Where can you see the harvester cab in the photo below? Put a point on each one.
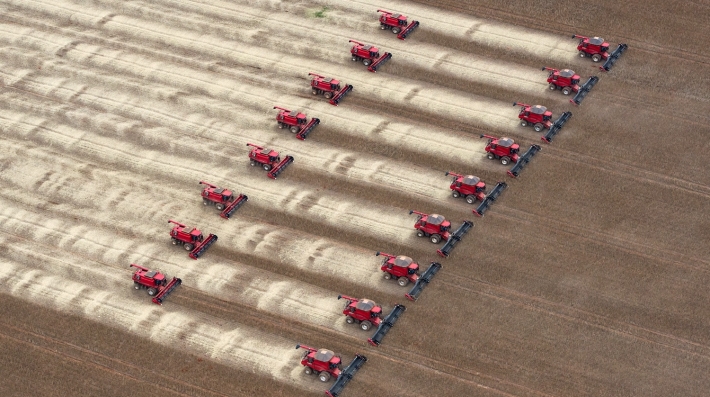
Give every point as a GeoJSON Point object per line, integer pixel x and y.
{"type": "Point", "coordinates": [296, 122]}
{"type": "Point", "coordinates": [191, 239]}
{"type": "Point", "coordinates": [397, 23]}
{"type": "Point", "coordinates": [154, 282]}
{"type": "Point", "coordinates": [537, 116]}
{"type": "Point", "coordinates": [268, 159]}
{"type": "Point", "coordinates": [401, 268]}
{"type": "Point", "coordinates": [470, 187]}
{"type": "Point", "coordinates": [594, 47]}
{"type": "Point", "coordinates": [433, 226]}
{"type": "Point", "coordinates": [368, 55]}
{"type": "Point", "coordinates": [329, 88]}
{"type": "Point", "coordinates": [565, 80]}
{"type": "Point", "coordinates": [362, 311]}
{"type": "Point", "coordinates": [222, 199]}
{"type": "Point", "coordinates": [504, 149]}
{"type": "Point", "coordinates": [322, 362]}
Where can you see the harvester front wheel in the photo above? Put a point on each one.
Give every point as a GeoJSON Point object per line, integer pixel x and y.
{"type": "Point", "coordinates": [152, 291]}
{"type": "Point", "coordinates": [281, 125]}
{"type": "Point", "coordinates": [267, 167]}
{"type": "Point", "coordinates": [328, 94]}
{"type": "Point", "coordinates": [470, 199]}
{"type": "Point", "coordinates": [566, 90]}
{"type": "Point", "coordinates": [435, 238]}
{"type": "Point", "coordinates": [188, 246]}
{"type": "Point", "coordinates": [396, 30]}
{"type": "Point", "coordinates": [349, 320]}
{"type": "Point", "coordinates": [596, 57]}
{"type": "Point", "coordinates": [402, 281]}
{"type": "Point", "coordinates": [308, 371]}
{"type": "Point", "coordinates": [582, 54]}
{"type": "Point", "coordinates": [354, 58]}
{"type": "Point", "coordinates": [294, 129]}
{"type": "Point", "coordinates": [324, 376]}
{"type": "Point", "coordinates": [205, 202]}
{"type": "Point", "coordinates": [524, 123]}
{"type": "Point", "coordinates": [173, 240]}
{"type": "Point", "coordinates": [387, 276]}
{"type": "Point", "coordinates": [552, 87]}
{"type": "Point", "coordinates": [315, 92]}
{"type": "Point", "coordinates": [490, 156]}
{"type": "Point", "coordinates": [219, 206]}
{"type": "Point", "coordinates": [136, 285]}
{"type": "Point", "coordinates": [455, 194]}
{"type": "Point", "coordinates": [420, 233]}
{"type": "Point", "coordinates": [537, 127]}
{"type": "Point", "coordinates": [252, 163]}
{"type": "Point", "coordinates": [366, 62]}
{"type": "Point", "coordinates": [365, 325]}
{"type": "Point", "coordinates": [505, 160]}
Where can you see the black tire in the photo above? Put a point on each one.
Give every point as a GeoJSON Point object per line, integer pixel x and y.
{"type": "Point", "coordinates": [456, 194]}
{"type": "Point", "coordinates": [308, 371]}
{"type": "Point", "coordinates": [596, 57]}
{"type": "Point", "coordinates": [396, 30]}
{"type": "Point", "coordinates": [566, 90]}
{"type": "Point", "coordinates": [324, 376]}
{"type": "Point", "coordinates": [294, 129]}
{"type": "Point", "coordinates": [383, 26]}
{"type": "Point", "coordinates": [281, 125]}
{"type": "Point", "coordinates": [365, 325]}
{"type": "Point", "coordinates": [420, 233]}
{"type": "Point", "coordinates": [435, 238]}
{"type": "Point", "coordinates": [538, 127]}
{"type": "Point", "coordinates": [387, 276]}
{"type": "Point", "coordinates": [219, 206]}
{"type": "Point", "coordinates": [174, 240]}
{"type": "Point", "coordinates": [314, 92]}
{"type": "Point", "coordinates": [328, 94]}
{"type": "Point", "coordinates": [188, 246]}
{"type": "Point", "coordinates": [205, 202]}
{"type": "Point", "coordinates": [366, 62]}
{"type": "Point", "coordinates": [266, 167]}
{"type": "Point", "coordinates": [523, 123]}
{"type": "Point", "coordinates": [470, 199]}
{"type": "Point", "coordinates": [252, 163]}
{"type": "Point", "coordinates": [582, 54]}
{"type": "Point", "coordinates": [402, 281]}
{"type": "Point", "coordinates": [491, 156]}
{"type": "Point", "coordinates": [354, 58]}
{"type": "Point", "coordinates": [552, 87]}
{"type": "Point", "coordinates": [505, 160]}
{"type": "Point", "coordinates": [349, 320]}
{"type": "Point", "coordinates": [137, 285]}
{"type": "Point", "coordinates": [152, 291]}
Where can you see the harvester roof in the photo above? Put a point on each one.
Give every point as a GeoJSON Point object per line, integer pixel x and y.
{"type": "Point", "coordinates": [151, 274]}
{"type": "Point", "coordinates": [538, 109]}
{"type": "Point", "coordinates": [294, 113]}
{"type": "Point", "coordinates": [324, 355]}
{"type": "Point", "coordinates": [365, 305]}
{"type": "Point", "coordinates": [471, 180]}
{"type": "Point", "coordinates": [596, 41]}
{"type": "Point", "coordinates": [567, 73]}
{"type": "Point", "coordinates": [505, 142]}
{"type": "Point", "coordinates": [218, 190]}
{"type": "Point", "coordinates": [435, 219]}
{"type": "Point", "coordinates": [402, 261]}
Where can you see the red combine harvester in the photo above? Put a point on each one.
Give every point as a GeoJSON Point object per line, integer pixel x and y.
{"type": "Point", "coordinates": [368, 55]}
{"type": "Point", "coordinates": [537, 116]}
{"type": "Point", "coordinates": [155, 282]}
{"type": "Point", "coordinates": [329, 88]}
{"type": "Point", "coordinates": [397, 24]}
{"type": "Point", "coordinates": [470, 187]}
{"type": "Point", "coordinates": [191, 239]}
{"type": "Point", "coordinates": [436, 228]}
{"type": "Point", "coordinates": [404, 270]}
{"type": "Point", "coordinates": [597, 49]}
{"type": "Point", "coordinates": [270, 160]}
{"type": "Point", "coordinates": [567, 81]}
{"type": "Point", "coordinates": [490, 198]}
{"type": "Point", "coordinates": [366, 313]}
{"type": "Point", "coordinates": [506, 150]}
{"type": "Point", "coordinates": [327, 364]}
{"type": "Point", "coordinates": [222, 199]}
{"type": "Point", "coordinates": [296, 122]}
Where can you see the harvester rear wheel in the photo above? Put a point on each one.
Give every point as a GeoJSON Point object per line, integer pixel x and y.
{"type": "Point", "coordinates": [420, 233]}
{"type": "Point", "coordinates": [328, 94]}
{"type": "Point", "coordinates": [435, 238]}
{"type": "Point", "coordinates": [505, 160]}
{"type": "Point", "coordinates": [365, 325]}
{"type": "Point", "coordinates": [455, 194]}
{"type": "Point", "coordinates": [553, 87]}
{"type": "Point", "coordinates": [188, 246]}
{"type": "Point", "coordinates": [524, 123]}
{"type": "Point", "coordinates": [402, 281]}
{"type": "Point", "coordinates": [294, 129]}
{"type": "Point", "coordinates": [324, 376]}
{"type": "Point", "coordinates": [266, 167]}
{"type": "Point", "coordinates": [387, 276]}
{"type": "Point", "coordinates": [566, 90]}
{"type": "Point", "coordinates": [582, 54]}
{"type": "Point", "coordinates": [308, 371]}
{"type": "Point", "coordinates": [596, 57]}
{"type": "Point", "coordinates": [396, 30]}
{"type": "Point", "coordinates": [470, 199]}
{"type": "Point", "coordinates": [349, 320]}
{"type": "Point", "coordinates": [219, 206]}
{"type": "Point", "coordinates": [366, 62]}
{"type": "Point", "coordinates": [538, 127]}
{"type": "Point", "coordinates": [152, 291]}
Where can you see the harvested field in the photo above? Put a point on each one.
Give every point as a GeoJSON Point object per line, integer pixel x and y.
{"type": "Point", "coordinates": [587, 277]}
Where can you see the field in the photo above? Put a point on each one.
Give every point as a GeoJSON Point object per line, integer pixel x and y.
{"type": "Point", "coordinates": [587, 277]}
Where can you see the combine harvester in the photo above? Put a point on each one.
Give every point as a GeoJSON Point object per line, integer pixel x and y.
{"type": "Point", "coordinates": [597, 49]}
{"type": "Point", "coordinates": [329, 88]}
{"type": "Point", "coordinates": [270, 160]}
{"type": "Point", "coordinates": [436, 228]}
{"type": "Point", "coordinates": [367, 313]}
{"type": "Point", "coordinates": [155, 282]}
{"type": "Point", "coordinates": [568, 82]}
{"type": "Point", "coordinates": [397, 24]}
{"type": "Point", "coordinates": [326, 364]}
{"type": "Point", "coordinates": [405, 270]}
{"type": "Point", "coordinates": [368, 55]}
{"type": "Point", "coordinates": [222, 199]}
{"type": "Point", "coordinates": [507, 150]}
{"type": "Point", "coordinates": [490, 198]}
{"type": "Point", "coordinates": [191, 239]}
{"type": "Point", "coordinates": [540, 118]}
{"type": "Point", "coordinates": [470, 187]}
{"type": "Point", "coordinates": [296, 122]}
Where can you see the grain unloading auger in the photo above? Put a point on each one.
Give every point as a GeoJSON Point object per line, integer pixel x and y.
{"type": "Point", "coordinates": [524, 160]}
{"type": "Point", "coordinates": [556, 127]}
{"type": "Point", "coordinates": [397, 23]}
{"type": "Point", "coordinates": [490, 198]}
{"type": "Point", "coordinates": [613, 57]}
{"type": "Point", "coordinates": [191, 238]}
{"type": "Point", "coordinates": [155, 282]}
{"type": "Point", "coordinates": [346, 375]}
{"type": "Point", "coordinates": [584, 90]}
{"type": "Point", "coordinates": [423, 281]}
